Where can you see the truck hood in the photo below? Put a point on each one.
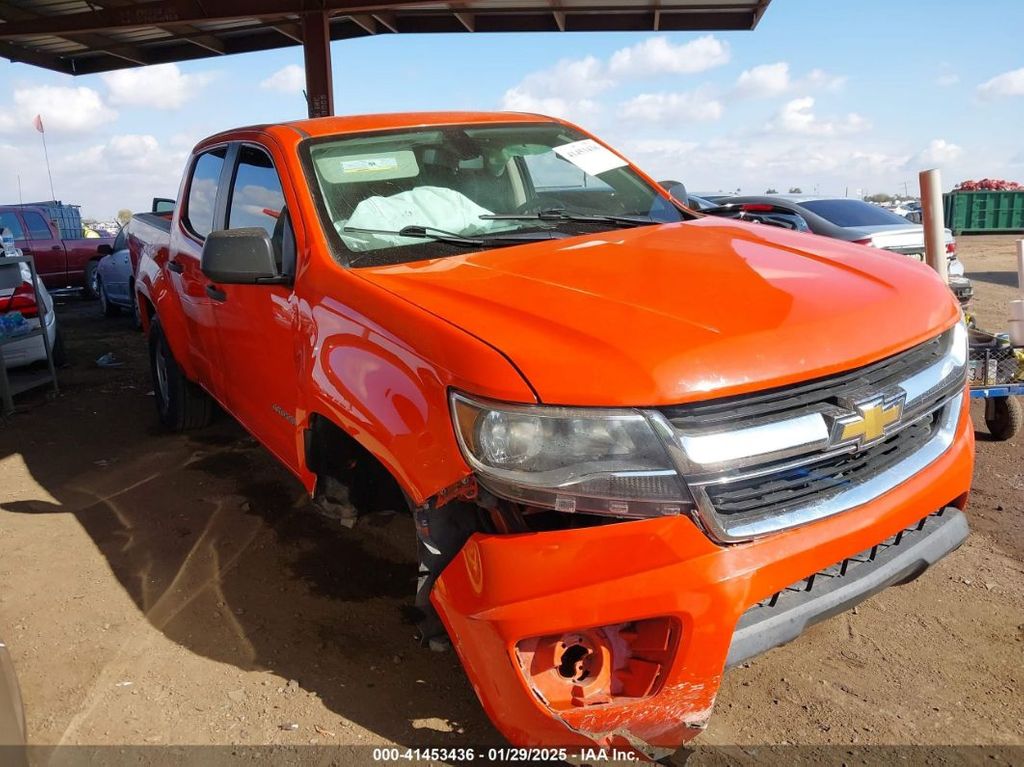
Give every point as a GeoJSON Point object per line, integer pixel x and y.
{"type": "Point", "coordinates": [680, 312]}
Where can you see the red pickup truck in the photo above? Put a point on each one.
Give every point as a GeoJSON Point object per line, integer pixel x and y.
{"type": "Point", "coordinates": [60, 263]}
{"type": "Point", "coordinates": [640, 444]}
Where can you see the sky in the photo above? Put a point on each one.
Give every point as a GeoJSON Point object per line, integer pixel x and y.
{"type": "Point", "coordinates": [833, 97]}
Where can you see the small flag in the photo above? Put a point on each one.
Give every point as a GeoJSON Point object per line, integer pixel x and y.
{"type": "Point", "coordinates": [38, 122]}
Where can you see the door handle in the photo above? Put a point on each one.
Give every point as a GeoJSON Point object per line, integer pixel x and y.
{"type": "Point", "coordinates": [175, 267]}
{"type": "Point", "coordinates": [216, 293]}
{"type": "Point", "coordinates": [55, 247]}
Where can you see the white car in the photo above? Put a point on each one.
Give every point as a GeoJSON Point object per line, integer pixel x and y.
{"type": "Point", "coordinates": [22, 299]}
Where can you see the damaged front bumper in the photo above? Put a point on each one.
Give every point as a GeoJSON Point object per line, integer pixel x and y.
{"type": "Point", "coordinates": [618, 635]}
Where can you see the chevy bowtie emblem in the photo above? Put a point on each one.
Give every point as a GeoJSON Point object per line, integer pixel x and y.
{"type": "Point", "coordinates": [871, 420]}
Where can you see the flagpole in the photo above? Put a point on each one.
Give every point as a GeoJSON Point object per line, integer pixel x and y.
{"type": "Point", "coordinates": [47, 156]}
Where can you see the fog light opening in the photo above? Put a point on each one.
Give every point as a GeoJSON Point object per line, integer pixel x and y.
{"type": "Point", "coordinates": [575, 662]}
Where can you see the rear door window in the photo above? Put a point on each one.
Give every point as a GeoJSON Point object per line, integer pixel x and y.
{"type": "Point", "coordinates": [10, 221]}
{"type": "Point", "coordinates": [201, 205]}
{"type": "Point", "coordinates": [37, 228]}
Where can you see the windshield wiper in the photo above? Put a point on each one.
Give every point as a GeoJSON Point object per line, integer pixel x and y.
{"type": "Point", "coordinates": [560, 214]}
{"type": "Point", "coordinates": [451, 238]}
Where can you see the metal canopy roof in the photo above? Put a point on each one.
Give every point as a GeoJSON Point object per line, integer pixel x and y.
{"type": "Point", "coordinates": [86, 36]}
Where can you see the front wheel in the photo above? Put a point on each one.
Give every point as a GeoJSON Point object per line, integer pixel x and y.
{"type": "Point", "coordinates": [180, 404]}
{"type": "Point", "coordinates": [1004, 417]}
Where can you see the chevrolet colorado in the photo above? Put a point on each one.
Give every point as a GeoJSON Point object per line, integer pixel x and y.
{"type": "Point", "coordinates": [640, 444]}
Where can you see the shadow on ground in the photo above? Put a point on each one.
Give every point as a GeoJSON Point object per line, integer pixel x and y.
{"type": "Point", "coordinates": [217, 546]}
{"type": "Point", "coordinates": [1007, 279]}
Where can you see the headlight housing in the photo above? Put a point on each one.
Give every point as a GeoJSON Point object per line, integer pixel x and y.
{"type": "Point", "coordinates": [588, 460]}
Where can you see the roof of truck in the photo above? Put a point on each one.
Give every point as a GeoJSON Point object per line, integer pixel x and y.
{"type": "Point", "coordinates": [327, 126]}
{"type": "Point", "coordinates": [330, 126]}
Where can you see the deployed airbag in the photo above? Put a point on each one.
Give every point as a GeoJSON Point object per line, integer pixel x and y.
{"type": "Point", "coordinates": [428, 206]}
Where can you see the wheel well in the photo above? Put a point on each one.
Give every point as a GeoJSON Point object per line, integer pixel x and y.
{"type": "Point", "coordinates": [146, 310]}
{"type": "Point", "coordinates": [333, 453]}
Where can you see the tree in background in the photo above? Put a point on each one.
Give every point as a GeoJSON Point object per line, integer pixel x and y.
{"type": "Point", "coordinates": [124, 216]}
{"type": "Point", "coordinates": [770, 191]}
{"type": "Point", "coordinates": [795, 190]}
{"type": "Point", "coordinates": [879, 198]}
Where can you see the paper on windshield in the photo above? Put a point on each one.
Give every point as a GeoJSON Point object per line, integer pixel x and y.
{"type": "Point", "coordinates": [380, 166]}
{"type": "Point", "coordinates": [589, 156]}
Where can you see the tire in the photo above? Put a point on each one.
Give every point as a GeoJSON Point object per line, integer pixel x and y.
{"type": "Point", "coordinates": [180, 404]}
{"type": "Point", "coordinates": [108, 309]}
{"type": "Point", "coordinates": [91, 288]}
{"type": "Point", "coordinates": [1004, 417]}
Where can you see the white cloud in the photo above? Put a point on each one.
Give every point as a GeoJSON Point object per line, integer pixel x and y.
{"type": "Point", "coordinates": [564, 90]}
{"type": "Point", "coordinates": [769, 80]}
{"type": "Point", "coordinates": [763, 81]}
{"type": "Point", "coordinates": [657, 55]}
{"type": "Point", "coordinates": [1007, 84]}
{"type": "Point", "coordinates": [796, 116]}
{"type": "Point", "coordinates": [568, 89]}
{"type": "Point", "coordinates": [692, 106]}
{"type": "Point", "coordinates": [161, 86]}
{"type": "Point", "coordinates": [64, 110]}
{"type": "Point", "coordinates": [938, 152]}
{"type": "Point", "coordinates": [290, 79]}
{"type": "Point", "coordinates": [819, 79]}
{"type": "Point", "coordinates": [947, 80]}
{"type": "Point", "coordinates": [780, 162]}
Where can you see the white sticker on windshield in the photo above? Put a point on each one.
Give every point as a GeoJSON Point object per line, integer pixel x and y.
{"type": "Point", "coordinates": [369, 165]}
{"type": "Point", "coordinates": [589, 156]}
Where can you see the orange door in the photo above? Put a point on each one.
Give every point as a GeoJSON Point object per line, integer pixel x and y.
{"type": "Point", "coordinates": [256, 324]}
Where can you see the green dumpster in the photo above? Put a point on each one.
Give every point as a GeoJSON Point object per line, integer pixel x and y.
{"type": "Point", "coordinates": [988, 212]}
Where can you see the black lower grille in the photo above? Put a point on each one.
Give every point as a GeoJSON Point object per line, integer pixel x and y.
{"type": "Point", "coordinates": [850, 567]}
{"type": "Point", "coordinates": [790, 487]}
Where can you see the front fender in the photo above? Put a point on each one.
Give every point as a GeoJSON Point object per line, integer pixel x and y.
{"type": "Point", "coordinates": [392, 395]}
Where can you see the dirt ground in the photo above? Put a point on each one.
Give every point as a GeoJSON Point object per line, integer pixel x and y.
{"type": "Point", "coordinates": [165, 589]}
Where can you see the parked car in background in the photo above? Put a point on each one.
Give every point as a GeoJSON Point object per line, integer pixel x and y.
{"type": "Point", "coordinates": [751, 213]}
{"type": "Point", "coordinates": [844, 218]}
{"type": "Point", "coordinates": [631, 436]}
{"type": "Point", "coordinates": [23, 299]}
{"type": "Point", "coordinates": [115, 278]}
{"type": "Point", "coordinates": [61, 263]}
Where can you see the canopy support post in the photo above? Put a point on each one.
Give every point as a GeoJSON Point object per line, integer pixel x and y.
{"type": "Point", "coordinates": [316, 50]}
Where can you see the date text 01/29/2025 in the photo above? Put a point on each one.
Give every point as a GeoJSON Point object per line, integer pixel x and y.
{"type": "Point", "coordinates": [501, 755]}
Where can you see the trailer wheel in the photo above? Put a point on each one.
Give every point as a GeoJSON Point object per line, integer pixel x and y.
{"type": "Point", "coordinates": [180, 404]}
{"type": "Point", "coordinates": [1004, 417]}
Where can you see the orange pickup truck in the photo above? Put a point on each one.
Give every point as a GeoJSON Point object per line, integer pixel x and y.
{"type": "Point", "coordinates": [640, 444]}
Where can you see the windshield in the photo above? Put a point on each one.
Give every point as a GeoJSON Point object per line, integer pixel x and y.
{"type": "Point", "coordinates": [408, 195]}
{"type": "Point", "coordinates": [853, 213]}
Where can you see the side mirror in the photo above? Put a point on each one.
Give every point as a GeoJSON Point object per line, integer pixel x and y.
{"type": "Point", "coordinates": [677, 192]}
{"type": "Point", "coordinates": [240, 257]}
{"type": "Point", "coordinates": [105, 249]}
{"type": "Point", "coordinates": [162, 205]}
